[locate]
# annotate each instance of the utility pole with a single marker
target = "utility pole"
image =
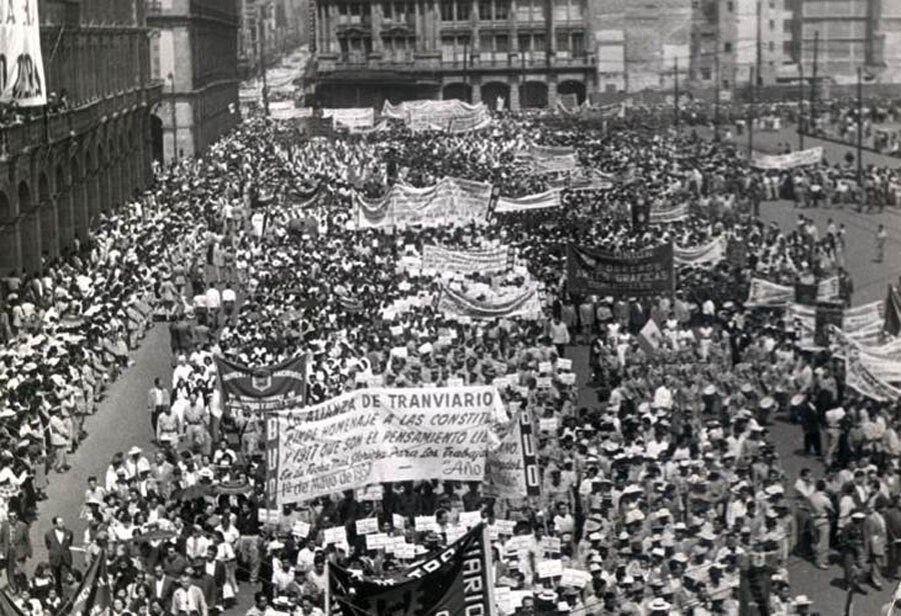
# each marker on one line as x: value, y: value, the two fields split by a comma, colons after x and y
x: 759, y: 47
x: 800, y: 105
x: 676, y: 92
x: 263, y: 9
x: 716, y: 94
x: 171, y: 78
x: 751, y: 114
x: 860, y: 126
x: 812, y: 124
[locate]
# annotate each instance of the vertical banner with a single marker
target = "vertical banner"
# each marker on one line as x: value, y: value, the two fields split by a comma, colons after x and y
x: 512, y: 468
x: 272, y: 445
x: 21, y: 62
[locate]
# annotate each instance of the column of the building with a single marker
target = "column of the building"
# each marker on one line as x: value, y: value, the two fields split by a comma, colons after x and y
x: 64, y: 214
x: 518, y: 56
x: 10, y: 257
x: 475, y: 79
x: 333, y: 28
x: 377, y: 15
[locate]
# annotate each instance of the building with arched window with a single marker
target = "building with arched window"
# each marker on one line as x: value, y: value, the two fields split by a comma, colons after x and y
x: 90, y: 148
x: 514, y: 53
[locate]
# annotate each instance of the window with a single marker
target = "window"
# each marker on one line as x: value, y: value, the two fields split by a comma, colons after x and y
x: 447, y: 10
x: 524, y: 41
x: 730, y: 7
x: 342, y: 9
x: 578, y: 44
x: 539, y: 43
x: 354, y: 9
x: 486, y: 42
x: 563, y: 41
x: 386, y: 11
x: 400, y: 10
x: 464, y: 10
x: 502, y: 43
x: 485, y: 10
x: 727, y: 47
x: 772, y: 24
x: 705, y: 73
x: 772, y: 46
x: 725, y: 84
x: 501, y: 10
x: 787, y: 51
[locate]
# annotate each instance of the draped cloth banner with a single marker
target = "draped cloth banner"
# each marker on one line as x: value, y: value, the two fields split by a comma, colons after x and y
x: 453, y: 303
x: 860, y: 377
x: 455, y: 581
x: 810, y: 156
x: 766, y: 294
x: 438, y: 258
x: 450, y: 200
x: 512, y: 470
x: 856, y: 326
x: 451, y: 115
x: 285, y: 110
x: 673, y: 214
x: 637, y: 273
x: 20, y: 45
x: 550, y: 159
x: 542, y: 201
x: 355, y: 118
x: 712, y: 252
x: 262, y: 389
x: 371, y: 436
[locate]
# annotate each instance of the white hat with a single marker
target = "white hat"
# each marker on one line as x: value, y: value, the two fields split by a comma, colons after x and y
x: 802, y: 600
x: 659, y: 605
x: 135, y: 451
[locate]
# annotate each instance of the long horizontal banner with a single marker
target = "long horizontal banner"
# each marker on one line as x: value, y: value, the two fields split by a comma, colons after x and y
x: 766, y: 294
x: 440, y: 259
x: 673, y: 214
x: 589, y: 180
x: 810, y: 156
x: 455, y: 581
x: 854, y: 325
x: 451, y: 115
x: 262, y: 389
x: 450, y: 200
x: 550, y: 159
x: 452, y: 303
x: 371, y: 436
x: 637, y: 273
x: 860, y: 377
x: 549, y: 199
x: 711, y: 252
x: 353, y: 118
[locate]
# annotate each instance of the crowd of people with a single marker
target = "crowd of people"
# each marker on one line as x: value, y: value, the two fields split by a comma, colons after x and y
x: 658, y: 480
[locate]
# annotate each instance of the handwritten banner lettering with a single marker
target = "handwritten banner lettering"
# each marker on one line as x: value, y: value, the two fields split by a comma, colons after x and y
x: 638, y: 273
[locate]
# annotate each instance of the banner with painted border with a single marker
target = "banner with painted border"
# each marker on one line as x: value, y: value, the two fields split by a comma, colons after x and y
x: 371, y: 436
x: 711, y: 252
x: 450, y: 200
x: 265, y: 388
x: 550, y: 199
x: 24, y: 84
x: 669, y: 215
x: 440, y: 259
x: 618, y: 274
x: 810, y: 156
x: 455, y: 304
x: 456, y: 580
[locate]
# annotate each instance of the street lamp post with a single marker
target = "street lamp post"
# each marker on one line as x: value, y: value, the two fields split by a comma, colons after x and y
x: 263, y: 10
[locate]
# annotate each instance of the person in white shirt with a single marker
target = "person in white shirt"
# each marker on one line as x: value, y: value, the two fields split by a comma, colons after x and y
x: 188, y: 598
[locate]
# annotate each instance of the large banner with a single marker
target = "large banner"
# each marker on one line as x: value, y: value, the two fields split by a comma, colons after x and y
x: 457, y: 581
x: 550, y: 159
x: 711, y: 252
x: 454, y: 304
x: 547, y: 200
x: 673, y: 214
x: 21, y: 60
x: 262, y: 389
x: 440, y: 259
x: 512, y: 468
x: 860, y: 377
x: 371, y: 436
x: 354, y: 118
x: 450, y: 200
x: 637, y: 273
x: 766, y: 294
x: 800, y: 158
x: 451, y: 115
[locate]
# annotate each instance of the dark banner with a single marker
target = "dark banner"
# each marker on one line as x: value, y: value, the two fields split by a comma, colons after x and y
x: 806, y: 294
x: 637, y: 273
x: 827, y: 314
x: 453, y: 581
x: 262, y: 389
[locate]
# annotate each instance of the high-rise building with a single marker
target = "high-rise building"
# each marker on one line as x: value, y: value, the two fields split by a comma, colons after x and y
x: 90, y: 149
x: 844, y: 32
x: 195, y: 53
x: 518, y: 53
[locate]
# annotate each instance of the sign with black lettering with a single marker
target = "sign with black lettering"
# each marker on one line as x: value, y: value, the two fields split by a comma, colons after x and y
x: 21, y: 63
x: 630, y: 273
x: 454, y: 581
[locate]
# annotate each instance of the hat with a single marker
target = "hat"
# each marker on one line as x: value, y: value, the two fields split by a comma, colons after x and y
x: 659, y: 605
x: 802, y: 600
x: 135, y: 451
x: 858, y: 515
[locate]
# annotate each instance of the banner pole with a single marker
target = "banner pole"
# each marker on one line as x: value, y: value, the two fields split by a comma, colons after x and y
x: 328, y: 588
x: 489, y: 570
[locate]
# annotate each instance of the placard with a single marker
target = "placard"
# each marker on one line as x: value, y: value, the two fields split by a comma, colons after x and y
x: 564, y: 363
x: 336, y: 535
x: 376, y: 541
x: 398, y: 521
x: 549, y: 568
x: 470, y: 518
x: 367, y: 526
x: 574, y: 577
x: 543, y: 382
x: 424, y: 523
x: 547, y: 424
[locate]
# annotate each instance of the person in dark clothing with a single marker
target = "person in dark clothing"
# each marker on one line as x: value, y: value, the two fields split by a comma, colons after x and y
x: 810, y: 424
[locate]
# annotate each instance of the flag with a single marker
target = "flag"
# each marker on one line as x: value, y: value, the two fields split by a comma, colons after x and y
x: 351, y: 303
x: 892, y: 312
x: 94, y: 596
x: 641, y: 215
x: 454, y: 580
x: 8, y: 606
x: 649, y: 337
